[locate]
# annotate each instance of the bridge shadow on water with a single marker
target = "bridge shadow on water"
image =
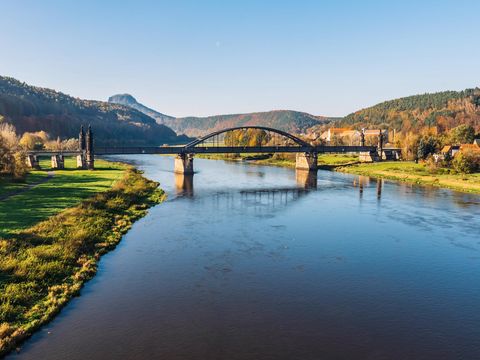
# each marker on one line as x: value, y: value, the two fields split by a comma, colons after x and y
x: 306, y: 180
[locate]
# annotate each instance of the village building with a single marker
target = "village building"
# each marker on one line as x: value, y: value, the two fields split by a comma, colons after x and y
x: 450, y: 150
x: 353, y: 136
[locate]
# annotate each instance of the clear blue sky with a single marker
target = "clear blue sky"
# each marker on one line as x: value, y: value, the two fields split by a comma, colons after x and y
x: 215, y: 57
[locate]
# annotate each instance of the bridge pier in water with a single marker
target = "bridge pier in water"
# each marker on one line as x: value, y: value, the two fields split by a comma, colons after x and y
x: 306, y: 161
x: 183, y: 164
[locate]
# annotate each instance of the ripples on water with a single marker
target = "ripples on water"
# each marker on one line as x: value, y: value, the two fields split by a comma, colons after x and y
x: 253, y: 262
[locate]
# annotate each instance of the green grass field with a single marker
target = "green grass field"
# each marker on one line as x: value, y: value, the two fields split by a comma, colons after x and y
x: 417, y: 173
x: 65, y: 189
x: 8, y: 185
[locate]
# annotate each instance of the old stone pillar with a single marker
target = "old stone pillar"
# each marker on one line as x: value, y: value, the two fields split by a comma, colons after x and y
x: 184, y: 164
x: 81, y: 139
x: 306, y: 161
x: 380, y: 144
x: 81, y: 162
x: 368, y: 156
x: 32, y: 161
x: 89, y: 153
x: 58, y: 162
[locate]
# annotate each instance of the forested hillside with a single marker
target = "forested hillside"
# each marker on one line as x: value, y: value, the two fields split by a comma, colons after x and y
x: 32, y: 109
x: 291, y: 121
x: 442, y: 110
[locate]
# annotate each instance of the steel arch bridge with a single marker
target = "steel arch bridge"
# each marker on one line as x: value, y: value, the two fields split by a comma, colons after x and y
x: 283, y: 134
x: 214, y: 143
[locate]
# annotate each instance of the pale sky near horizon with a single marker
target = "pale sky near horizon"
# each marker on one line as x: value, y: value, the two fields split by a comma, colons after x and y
x: 219, y: 57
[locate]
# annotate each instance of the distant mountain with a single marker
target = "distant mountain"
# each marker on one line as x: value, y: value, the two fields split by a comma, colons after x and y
x: 291, y: 121
x: 31, y: 108
x: 443, y: 110
x: 294, y: 122
x: 129, y: 100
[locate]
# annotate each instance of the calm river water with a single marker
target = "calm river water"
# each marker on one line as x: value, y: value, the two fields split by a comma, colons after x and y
x: 248, y: 262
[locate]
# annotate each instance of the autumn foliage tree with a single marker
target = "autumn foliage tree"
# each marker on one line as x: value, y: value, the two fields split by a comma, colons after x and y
x: 12, y: 156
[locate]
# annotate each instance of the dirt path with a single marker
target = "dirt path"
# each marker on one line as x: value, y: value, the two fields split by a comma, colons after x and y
x: 50, y: 174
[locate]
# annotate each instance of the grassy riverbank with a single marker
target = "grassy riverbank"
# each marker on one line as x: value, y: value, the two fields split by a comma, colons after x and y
x: 45, y: 259
x: 416, y: 173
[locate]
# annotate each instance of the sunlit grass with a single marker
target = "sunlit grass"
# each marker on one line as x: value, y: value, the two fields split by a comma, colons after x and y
x: 417, y: 173
x: 65, y: 189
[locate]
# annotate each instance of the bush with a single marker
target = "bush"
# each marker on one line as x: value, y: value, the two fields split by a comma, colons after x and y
x: 467, y: 162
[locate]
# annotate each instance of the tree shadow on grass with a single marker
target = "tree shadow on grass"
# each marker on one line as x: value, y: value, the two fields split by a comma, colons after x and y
x: 26, y: 209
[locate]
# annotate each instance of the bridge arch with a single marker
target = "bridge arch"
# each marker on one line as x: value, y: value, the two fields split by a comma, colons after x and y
x: 203, y: 139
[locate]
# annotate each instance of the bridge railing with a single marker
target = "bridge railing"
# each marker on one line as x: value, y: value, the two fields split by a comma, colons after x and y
x: 175, y: 150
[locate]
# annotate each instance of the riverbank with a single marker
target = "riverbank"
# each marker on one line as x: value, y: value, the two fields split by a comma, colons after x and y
x: 46, y: 259
x: 417, y: 174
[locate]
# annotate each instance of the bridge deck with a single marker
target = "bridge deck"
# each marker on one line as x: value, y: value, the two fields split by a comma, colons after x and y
x: 172, y: 150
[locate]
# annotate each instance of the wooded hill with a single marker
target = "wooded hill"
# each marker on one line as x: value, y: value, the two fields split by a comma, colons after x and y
x: 443, y: 110
x: 287, y: 120
x: 294, y: 122
x: 31, y: 109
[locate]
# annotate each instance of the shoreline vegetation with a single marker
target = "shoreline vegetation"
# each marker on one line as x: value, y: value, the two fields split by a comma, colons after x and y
x: 404, y: 171
x: 45, y: 261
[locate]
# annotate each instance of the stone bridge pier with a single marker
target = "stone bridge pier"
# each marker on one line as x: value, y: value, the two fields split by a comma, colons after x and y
x: 306, y: 161
x: 184, y: 164
x: 58, y: 162
x: 32, y: 161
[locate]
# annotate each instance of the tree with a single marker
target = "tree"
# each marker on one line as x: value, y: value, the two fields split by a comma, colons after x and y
x: 31, y: 141
x: 467, y: 162
x: 462, y: 134
x: 427, y: 145
x: 12, y: 157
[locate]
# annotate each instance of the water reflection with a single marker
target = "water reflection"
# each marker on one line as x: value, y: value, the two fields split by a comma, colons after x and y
x: 379, y: 188
x: 306, y: 179
x: 184, y: 185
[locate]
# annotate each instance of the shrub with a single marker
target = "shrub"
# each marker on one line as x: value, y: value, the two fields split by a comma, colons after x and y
x: 467, y: 162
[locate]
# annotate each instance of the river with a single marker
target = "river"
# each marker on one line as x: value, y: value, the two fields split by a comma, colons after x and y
x: 252, y: 262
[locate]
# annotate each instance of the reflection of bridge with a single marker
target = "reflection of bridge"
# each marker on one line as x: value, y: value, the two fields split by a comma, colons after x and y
x: 218, y: 142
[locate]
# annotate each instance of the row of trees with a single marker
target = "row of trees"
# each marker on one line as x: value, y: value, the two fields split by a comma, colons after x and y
x: 13, y: 148
x: 41, y: 140
x: 420, y: 145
